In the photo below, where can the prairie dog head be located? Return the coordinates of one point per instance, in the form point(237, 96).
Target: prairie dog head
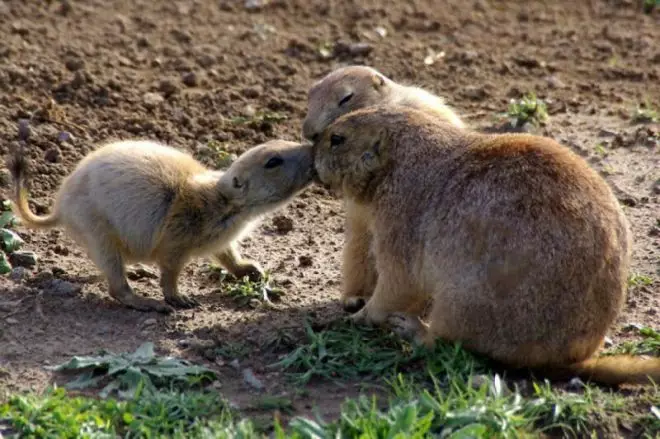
point(352, 153)
point(342, 91)
point(268, 174)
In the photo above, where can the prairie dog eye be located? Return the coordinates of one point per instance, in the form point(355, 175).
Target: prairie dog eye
point(274, 162)
point(345, 99)
point(336, 140)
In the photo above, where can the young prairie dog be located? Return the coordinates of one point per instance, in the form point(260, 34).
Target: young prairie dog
point(344, 90)
point(141, 201)
point(522, 247)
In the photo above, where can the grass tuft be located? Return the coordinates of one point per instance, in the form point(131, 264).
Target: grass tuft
point(528, 109)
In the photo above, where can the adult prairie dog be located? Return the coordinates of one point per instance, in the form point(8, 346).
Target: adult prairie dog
point(141, 201)
point(522, 247)
point(344, 90)
point(353, 87)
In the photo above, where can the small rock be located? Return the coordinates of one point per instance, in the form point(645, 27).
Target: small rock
point(251, 92)
point(381, 31)
point(555, 82)
point(608, 342)
point(167, 87)
point(234, 363)
point(475, 93)
point(656, 187)
point(252, 5)
point(23, 259)
point(206, 60)
point(149, 322)
point(628, 200)
point(189, 79)
point(74, 64)
point(604, 132)
point(575, 384)
point(64, 288)
point(140, 272)
point(64, 136)
point(17, 274)
point(19, 28)
point(24, 130)
point(250, 378)
point(355, 49)
point(283, 224)
point(182, 36)
point(305, 261)
point(152, 100)
point(53, 155)
point(11, 321)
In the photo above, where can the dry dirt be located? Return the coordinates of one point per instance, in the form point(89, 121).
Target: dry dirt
point(182, 71)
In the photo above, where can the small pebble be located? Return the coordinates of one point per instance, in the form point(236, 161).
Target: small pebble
point(251, 379)
point(11, 321)
point(305, 261)
point(152, 100)
point(53, 155)
point(23, 259)
point(74, 64)
point(17, 274)
point(64, 136)
point(234, 363)
point(149, 322)
point(283, 224)
point(189, 79)
point(64, 288)
point(167, 87)
point(575, 384)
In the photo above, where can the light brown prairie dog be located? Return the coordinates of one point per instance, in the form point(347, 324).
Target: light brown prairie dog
point(141, 201)
point(344, 90)
point(522, 247)
point(351, 88)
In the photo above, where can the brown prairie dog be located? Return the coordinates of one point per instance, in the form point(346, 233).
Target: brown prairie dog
point(522, 247)
point(141, 201)
point(351, 88)
point(344, 90)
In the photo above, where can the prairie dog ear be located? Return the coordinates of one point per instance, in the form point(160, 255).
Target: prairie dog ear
point(378, 81)
point(373, 157)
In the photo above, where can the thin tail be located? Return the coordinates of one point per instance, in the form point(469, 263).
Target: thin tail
point(619, 369)
point(18, 167)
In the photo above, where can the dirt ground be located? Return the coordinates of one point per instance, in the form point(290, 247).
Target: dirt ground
point(182, 71)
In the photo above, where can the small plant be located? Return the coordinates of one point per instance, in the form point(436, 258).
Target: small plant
point(600, 149)
point(648, 345)
point(528, 109)
point(348, 351)
point(127, 372)
point(9, 240)
point(246, 292)
point(650, 5)
point(161, 414)
point(645, 113)
point(222, 158)
point(636, 280)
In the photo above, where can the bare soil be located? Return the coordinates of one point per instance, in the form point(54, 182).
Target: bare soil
point(86, 72)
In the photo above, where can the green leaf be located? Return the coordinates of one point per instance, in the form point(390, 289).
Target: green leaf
point(5, 266)
point(7, 219)
point(10, 240)
point(83, 363)
point(143, 354)
point(85, 381)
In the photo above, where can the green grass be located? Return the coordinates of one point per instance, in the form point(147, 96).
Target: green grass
point(346, 351)
point(636, 280)
point(645, 113)
point(247, 293)
point(528, 109)
point(648, 344)
point(442, 392)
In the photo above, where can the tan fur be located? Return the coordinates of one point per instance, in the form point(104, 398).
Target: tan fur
point(522, 247)
point(141, 201)
point(368, 87)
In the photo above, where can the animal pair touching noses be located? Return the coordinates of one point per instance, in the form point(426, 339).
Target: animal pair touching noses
point(521, 246)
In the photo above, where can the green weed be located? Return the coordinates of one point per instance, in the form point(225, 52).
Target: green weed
point(528, 109)
point(648, 345)
point(637, 280)
point(645, 113)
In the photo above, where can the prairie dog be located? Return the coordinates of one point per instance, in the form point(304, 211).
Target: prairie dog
point(344, 90)
point(522, 247)
point(142, 201)
point(350, 88)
